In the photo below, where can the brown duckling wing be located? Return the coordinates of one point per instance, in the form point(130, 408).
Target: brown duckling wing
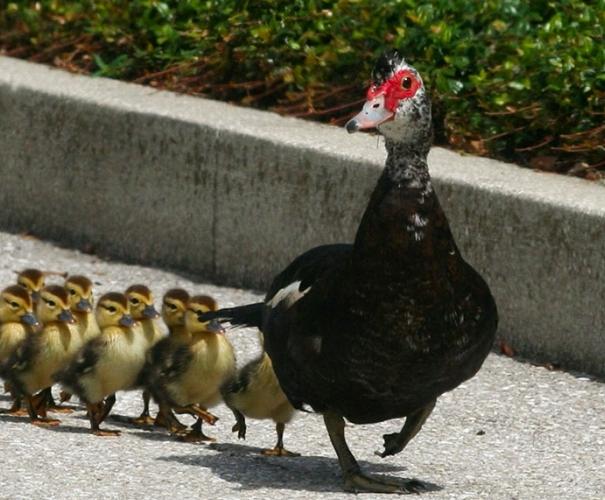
point(83, 363)
point(20, 361)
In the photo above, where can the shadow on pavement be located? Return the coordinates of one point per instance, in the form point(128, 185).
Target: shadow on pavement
point(244, 466)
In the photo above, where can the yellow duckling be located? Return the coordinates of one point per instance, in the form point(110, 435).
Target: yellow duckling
point(255, 392)
point(140, 302)
point(108, 363)
point(33, 280)
point(174, 306)
point(31, 367)
point(80, 290)
point(194, 372)
point(17, 319)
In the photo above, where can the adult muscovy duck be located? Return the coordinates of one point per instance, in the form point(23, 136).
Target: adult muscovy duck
point(379, 329)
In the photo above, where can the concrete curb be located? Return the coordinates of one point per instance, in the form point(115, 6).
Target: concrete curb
point(233, 194)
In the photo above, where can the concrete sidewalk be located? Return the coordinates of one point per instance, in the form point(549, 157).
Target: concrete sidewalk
point(515, 431)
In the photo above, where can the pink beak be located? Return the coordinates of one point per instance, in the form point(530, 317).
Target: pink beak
point(372, 114)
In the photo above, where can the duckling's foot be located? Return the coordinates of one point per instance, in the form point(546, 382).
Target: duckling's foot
point(143, 420)
point(240, 428)
point(169, 422)
point(105, 433)
point(279, 452)
point(357, 482)
point(46, 422)
point(204, 414)
point(64, 396)
point(60, 409)
point(18, 411)
point(196, 437)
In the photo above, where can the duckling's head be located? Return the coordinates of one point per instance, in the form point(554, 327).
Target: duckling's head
point(174, 305)
point(16, 306)
point(198, 305)
point(112, 310)
point(140, 301)
point(53, 306)
point(79, 289)
point(33, 280)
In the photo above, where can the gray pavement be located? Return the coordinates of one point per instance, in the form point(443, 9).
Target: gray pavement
point(514, 431)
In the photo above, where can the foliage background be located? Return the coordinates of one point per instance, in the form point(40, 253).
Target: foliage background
point(513, 79)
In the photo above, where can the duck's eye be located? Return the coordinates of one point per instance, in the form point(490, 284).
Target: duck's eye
point(172, 307)
point(134, 301)
point(406, 83)
point(72, 291)
point(14, 305)
point(50, 303)
point(110, 309)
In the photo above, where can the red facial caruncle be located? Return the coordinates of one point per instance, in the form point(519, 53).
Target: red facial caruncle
point(402, 85)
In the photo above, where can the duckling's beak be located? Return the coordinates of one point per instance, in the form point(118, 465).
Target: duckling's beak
point(214, 326)
point(150, 312)
point(127, 320)
point(84, 305)
point(372, 114)
point(35, 296)
point(30, 319)
point(67, 317)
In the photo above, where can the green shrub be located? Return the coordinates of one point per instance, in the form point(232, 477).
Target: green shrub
point(519, 80)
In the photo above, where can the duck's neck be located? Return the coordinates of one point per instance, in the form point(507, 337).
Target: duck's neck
point(403, 222)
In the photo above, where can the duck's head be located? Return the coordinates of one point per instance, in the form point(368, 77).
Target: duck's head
point(397, 103)
point(79, 289)
point(53, 306)
point(197, 306)
point(112, 310)
point(33, 280)
point(174, 305)
point(140, 301)
point(16, 306)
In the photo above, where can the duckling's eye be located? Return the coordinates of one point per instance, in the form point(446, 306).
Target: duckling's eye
point(14, 305)
point(72, 291)
point(172, 307)
point(134, 301)
point(50, 303)
point(406, 83)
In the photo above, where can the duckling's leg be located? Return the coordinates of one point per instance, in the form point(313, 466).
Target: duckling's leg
point(50, 402)
point(196, 435)
point(394, 443)
point(279, 450)
point(354, 480)
point(36, 408)
point(107, 406)
point(240, 424)
point(197, 411)
point(96, 414)
point(144, 418)
point(64, 396)
point(166, 418)
point(17, 407)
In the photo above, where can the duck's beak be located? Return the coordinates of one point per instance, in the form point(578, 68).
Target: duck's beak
point(84, 305)
point(127, 320)
point(35, 296)
point(30, 319)
point(67, 317)
point(150, 312)
point(372, 114)
point(214, 326)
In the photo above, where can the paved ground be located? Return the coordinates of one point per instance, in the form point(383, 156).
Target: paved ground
point(514, 431)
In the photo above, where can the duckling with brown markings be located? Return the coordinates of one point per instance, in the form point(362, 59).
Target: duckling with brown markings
point(142, 309)
point(190, 375)
point(108, 363)
point(17, 319)
point(31, 367)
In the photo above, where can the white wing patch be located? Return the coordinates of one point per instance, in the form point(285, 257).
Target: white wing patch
point(290, 294)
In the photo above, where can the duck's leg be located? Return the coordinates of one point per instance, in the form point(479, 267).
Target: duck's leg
point(196, 435)
point(197, 411)
point(107, 406)
point(279, 450)
point(96, 414)
point(394, 443)
point(167, 419)
point(17, 407)
point(354, 480)
point(36, 408)
point(144, 418)
point(240, 424)
point(50, 402)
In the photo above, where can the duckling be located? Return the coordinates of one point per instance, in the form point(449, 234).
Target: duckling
point(140, 302)
point(108, 363)
point(174, 305)
point(255, 392)
point(80, 290)
point(33, 280)
point(17, 319)
point(32, 365)
point(193, 372)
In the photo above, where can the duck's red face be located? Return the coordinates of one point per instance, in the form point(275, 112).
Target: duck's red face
point(384, 100)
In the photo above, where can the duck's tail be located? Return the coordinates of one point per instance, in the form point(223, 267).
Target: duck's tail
point(250, 315)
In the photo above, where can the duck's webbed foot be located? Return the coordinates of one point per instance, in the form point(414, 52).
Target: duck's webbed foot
point(279, 450)
point(196, 435)
point(36, 408)
point(240, 424)
point(167, 419)
point(356, 481)
point(144, 419)
point(97, 413)
point(397, 441)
